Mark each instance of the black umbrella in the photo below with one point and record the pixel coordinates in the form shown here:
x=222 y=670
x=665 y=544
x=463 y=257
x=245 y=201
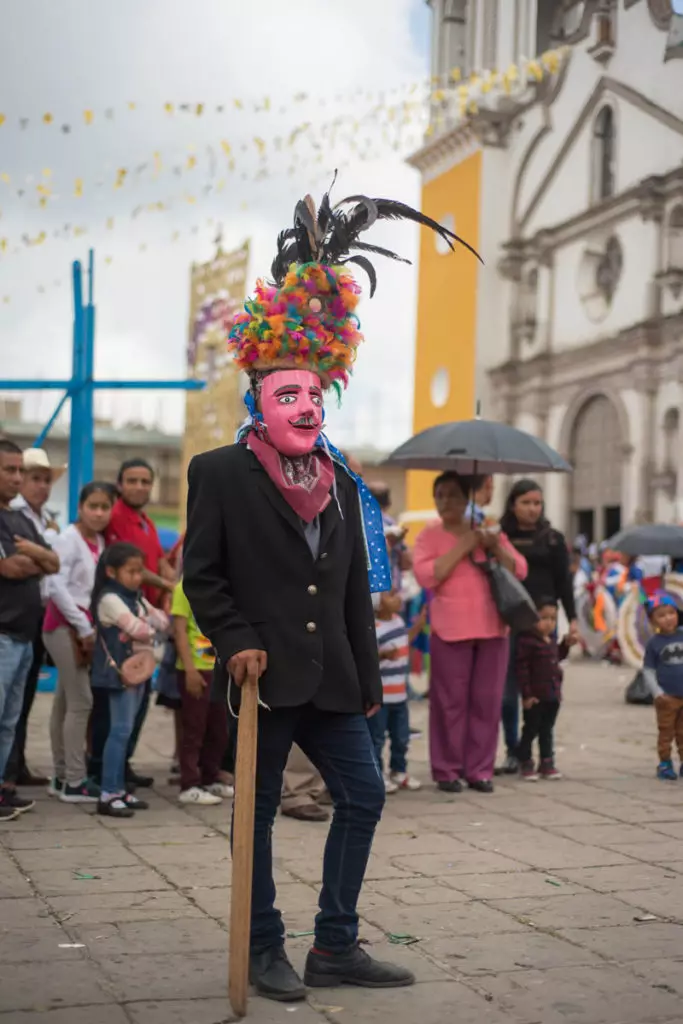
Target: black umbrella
x=478 y=446
x=649 y=539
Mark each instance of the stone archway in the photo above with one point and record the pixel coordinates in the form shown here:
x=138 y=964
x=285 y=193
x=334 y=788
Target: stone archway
x=596 y=451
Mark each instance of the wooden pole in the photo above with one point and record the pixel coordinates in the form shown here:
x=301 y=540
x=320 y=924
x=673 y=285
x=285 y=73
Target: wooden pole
x=243 y=847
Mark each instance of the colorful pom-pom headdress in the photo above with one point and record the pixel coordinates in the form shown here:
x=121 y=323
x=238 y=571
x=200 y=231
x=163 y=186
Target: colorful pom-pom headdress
x=305 y=318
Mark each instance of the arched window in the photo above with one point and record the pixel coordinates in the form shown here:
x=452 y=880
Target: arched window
x=675 y=239
x=603 y=155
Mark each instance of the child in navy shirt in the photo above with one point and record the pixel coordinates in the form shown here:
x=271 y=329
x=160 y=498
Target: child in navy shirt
x=663 y=673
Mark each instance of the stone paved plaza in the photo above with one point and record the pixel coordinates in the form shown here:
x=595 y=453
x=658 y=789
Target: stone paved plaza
x=543 y=903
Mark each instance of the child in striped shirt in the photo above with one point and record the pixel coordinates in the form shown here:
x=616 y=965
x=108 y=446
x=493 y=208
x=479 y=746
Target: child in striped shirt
x=393 y=640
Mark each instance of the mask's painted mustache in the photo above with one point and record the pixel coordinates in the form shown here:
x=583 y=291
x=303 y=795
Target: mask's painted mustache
x=306 y=420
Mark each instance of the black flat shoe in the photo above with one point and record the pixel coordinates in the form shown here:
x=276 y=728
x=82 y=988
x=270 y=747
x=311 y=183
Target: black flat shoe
x=454 y=786
x=114 y=808
x=356 y=967
x=481 y=786
x=273 y=976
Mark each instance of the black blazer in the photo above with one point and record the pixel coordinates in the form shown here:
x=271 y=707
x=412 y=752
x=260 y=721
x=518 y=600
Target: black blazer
x=252 y=582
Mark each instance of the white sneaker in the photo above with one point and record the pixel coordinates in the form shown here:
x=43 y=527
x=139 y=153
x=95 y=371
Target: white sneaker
x=389 y=785
x=221 y=789
x=198 y=796
x=405 y=781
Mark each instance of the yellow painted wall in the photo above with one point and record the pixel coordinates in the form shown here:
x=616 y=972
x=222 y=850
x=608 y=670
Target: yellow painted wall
x=447 y=305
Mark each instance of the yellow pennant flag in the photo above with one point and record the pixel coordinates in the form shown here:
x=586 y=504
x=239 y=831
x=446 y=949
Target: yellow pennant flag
x=199 y=109
x=110 y=223
x=168 y=107
x=226 y=147
x=2 y=119
x=47 y=118
x=78 y=188
x=88 y=116
x=191 y=162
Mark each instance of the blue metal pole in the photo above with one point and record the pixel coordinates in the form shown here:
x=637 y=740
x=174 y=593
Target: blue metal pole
x=35 y=385
x=148 y=385
x=77 y=381
x=38 y=443
x=88 y=422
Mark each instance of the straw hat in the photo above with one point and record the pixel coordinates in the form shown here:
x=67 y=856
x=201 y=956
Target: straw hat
x=37 y=458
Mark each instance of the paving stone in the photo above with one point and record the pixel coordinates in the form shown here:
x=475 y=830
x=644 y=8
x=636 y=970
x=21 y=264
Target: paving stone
x=146 y=937
x=580 y=995
x=649 y=940
x=671 y=828
x=198 y=874
x=209 y=851
x=605 y=835
x=416 y=892
x=217 y=1011
x=486 y=954
x=659 y=850
x=24 y=913
x=465 y=862
x=13 y=884
x=23 y=945
x=132 y=879
x=664 y=974
x=55 y=984
x=115 y=907
x=563 y=853
x=665 y=903
x=54 y=839
x=185 y=976
x=436 y=1003
x=626 y=876
x=580 y=910
x=519 y=883
x=165 y=816
x=412 y=844
x=173 y=835
x=434 y=921
x=73 y=858
x=97 y=1014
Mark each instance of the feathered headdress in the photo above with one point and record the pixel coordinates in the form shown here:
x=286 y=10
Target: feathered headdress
x=305 y=318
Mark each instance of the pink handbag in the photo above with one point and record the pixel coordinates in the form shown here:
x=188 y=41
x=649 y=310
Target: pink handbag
x=134 y=670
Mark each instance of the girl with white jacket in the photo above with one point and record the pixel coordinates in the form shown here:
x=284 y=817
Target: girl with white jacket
x=69 y=637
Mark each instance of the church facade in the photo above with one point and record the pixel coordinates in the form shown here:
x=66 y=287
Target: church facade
x=571 y=186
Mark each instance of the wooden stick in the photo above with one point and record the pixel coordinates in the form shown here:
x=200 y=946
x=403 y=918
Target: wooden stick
x=243 y=847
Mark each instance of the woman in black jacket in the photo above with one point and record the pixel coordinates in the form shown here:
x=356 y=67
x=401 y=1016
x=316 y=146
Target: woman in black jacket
x=549 y=575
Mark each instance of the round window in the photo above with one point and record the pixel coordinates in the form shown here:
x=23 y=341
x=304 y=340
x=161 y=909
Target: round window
x=440 y=388
x=442 y=247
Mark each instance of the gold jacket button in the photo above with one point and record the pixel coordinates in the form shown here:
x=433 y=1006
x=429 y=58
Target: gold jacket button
x=312 y=590
x=311 y=627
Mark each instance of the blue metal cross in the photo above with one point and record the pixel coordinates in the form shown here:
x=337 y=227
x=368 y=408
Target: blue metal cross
x=82 y=386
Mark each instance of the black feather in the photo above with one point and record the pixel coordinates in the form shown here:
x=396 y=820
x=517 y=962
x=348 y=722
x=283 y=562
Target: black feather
x=367 y=266
x=332 y=237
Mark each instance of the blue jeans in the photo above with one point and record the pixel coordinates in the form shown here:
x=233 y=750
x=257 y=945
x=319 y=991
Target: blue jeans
x=392 y=719
x=123 y=707
x=340 y=747
x=15 y=661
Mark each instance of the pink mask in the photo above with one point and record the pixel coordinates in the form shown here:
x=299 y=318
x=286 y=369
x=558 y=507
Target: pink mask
x=292 y=409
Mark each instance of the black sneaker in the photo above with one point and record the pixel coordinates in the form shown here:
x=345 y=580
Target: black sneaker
x=135 y=803
x=12 y=799
x=114 y=808
x=273 y=976
x=7 y=812
x=86 y=792
x=136 y=781
x=353 y=968
x=453 y=786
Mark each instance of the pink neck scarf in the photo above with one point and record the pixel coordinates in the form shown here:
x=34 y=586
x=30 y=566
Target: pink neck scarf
x=304 y=481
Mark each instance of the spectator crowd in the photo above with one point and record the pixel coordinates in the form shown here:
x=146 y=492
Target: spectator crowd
x=104 y=602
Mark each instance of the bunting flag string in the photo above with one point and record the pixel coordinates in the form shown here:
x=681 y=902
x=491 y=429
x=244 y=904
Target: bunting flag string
x=432 y=88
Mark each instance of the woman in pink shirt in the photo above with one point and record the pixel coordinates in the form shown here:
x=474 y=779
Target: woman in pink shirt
x=469 y=641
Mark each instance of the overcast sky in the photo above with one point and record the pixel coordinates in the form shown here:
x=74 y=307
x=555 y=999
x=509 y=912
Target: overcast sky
x=65 y=57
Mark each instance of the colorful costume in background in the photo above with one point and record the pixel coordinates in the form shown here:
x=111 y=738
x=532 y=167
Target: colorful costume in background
x=284 y=544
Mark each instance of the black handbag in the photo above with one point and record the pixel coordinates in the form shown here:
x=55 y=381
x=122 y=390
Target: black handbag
x=637 y=691
x=511 y=598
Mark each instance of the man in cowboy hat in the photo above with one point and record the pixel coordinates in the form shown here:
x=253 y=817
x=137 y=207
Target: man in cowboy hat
x=39 y=477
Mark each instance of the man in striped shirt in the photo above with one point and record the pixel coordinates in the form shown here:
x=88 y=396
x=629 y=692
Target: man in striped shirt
x=393 y=640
